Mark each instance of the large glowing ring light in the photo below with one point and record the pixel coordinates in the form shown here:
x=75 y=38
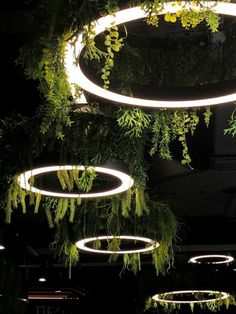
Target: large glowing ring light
x=76 y=75
x=82 y=244
x=224 y=259
x=163 y=297
x=126 y=181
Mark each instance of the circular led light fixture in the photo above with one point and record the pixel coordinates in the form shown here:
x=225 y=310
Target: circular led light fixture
x=164 y=297
x=2 y=247
x=77 y=77
x=211 y=259
x=126 y=181
x=153 y=245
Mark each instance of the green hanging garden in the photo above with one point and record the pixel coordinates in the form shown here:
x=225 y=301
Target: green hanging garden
x=97 y=132
x=204 y=299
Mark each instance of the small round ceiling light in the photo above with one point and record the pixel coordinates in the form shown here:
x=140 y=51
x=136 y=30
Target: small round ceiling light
x=169 y=297
x=125 y=181
x=2 y=247
x=152 y=245
x=42 y=279
x=211 y=259
x=76 y=76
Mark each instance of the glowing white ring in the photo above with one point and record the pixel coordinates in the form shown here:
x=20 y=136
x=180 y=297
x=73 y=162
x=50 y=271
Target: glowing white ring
x=126 y=181
x=160 y=297
x=82 y=244
x=198 y=259
x=76 y=76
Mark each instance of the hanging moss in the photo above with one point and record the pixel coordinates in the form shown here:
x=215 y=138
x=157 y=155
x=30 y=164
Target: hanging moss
x=15 y=196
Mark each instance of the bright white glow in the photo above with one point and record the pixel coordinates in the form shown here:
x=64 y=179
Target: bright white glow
x=2 y=247
x=76 y=76
x=82 y=244
x=42 y=279
x=126 y=181
x=82 y=99
x=23 y=299
x=200 y=259
x=163 y=297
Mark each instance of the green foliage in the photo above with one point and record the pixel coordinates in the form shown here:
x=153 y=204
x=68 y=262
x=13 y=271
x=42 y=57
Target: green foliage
x=15 y=196
x=171 y=125
x=83 y=181
x=232 y=125
x=65 y=250
x=207 y=116
x=113 y=44
x=134 y=121
x=189 y=16
x=141 y=206
x=132 y=262
x=163 y=228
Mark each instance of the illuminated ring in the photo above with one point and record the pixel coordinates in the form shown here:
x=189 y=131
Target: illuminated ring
x=126 y=181
x=160 y=297
x=200 y=259
x=82 y=244
x=77 y=77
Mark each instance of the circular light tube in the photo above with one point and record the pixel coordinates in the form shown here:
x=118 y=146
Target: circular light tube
x=160 y=297
x=76 y=75
x=200 y=259
x=126 y=181
x=82 y=244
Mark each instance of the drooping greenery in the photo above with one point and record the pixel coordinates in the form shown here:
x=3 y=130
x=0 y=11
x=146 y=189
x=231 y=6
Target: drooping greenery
x=95 y=218
x=170 y=307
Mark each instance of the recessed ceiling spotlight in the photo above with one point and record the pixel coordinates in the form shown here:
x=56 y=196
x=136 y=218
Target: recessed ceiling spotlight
x=42 y=279
x=2 y=247
x=211 y=259
x=75 y=47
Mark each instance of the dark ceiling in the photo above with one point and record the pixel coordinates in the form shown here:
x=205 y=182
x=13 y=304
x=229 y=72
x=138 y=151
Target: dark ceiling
x=203 y=198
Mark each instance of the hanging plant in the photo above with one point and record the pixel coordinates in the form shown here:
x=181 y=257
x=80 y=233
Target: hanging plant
x=204 y=299
x=98 y=218
x=43 y=56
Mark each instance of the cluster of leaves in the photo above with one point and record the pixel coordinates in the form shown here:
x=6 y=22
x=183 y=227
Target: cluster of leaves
x=189 y=14
x=69 y=179
x=170 y=307
x=166 y=126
